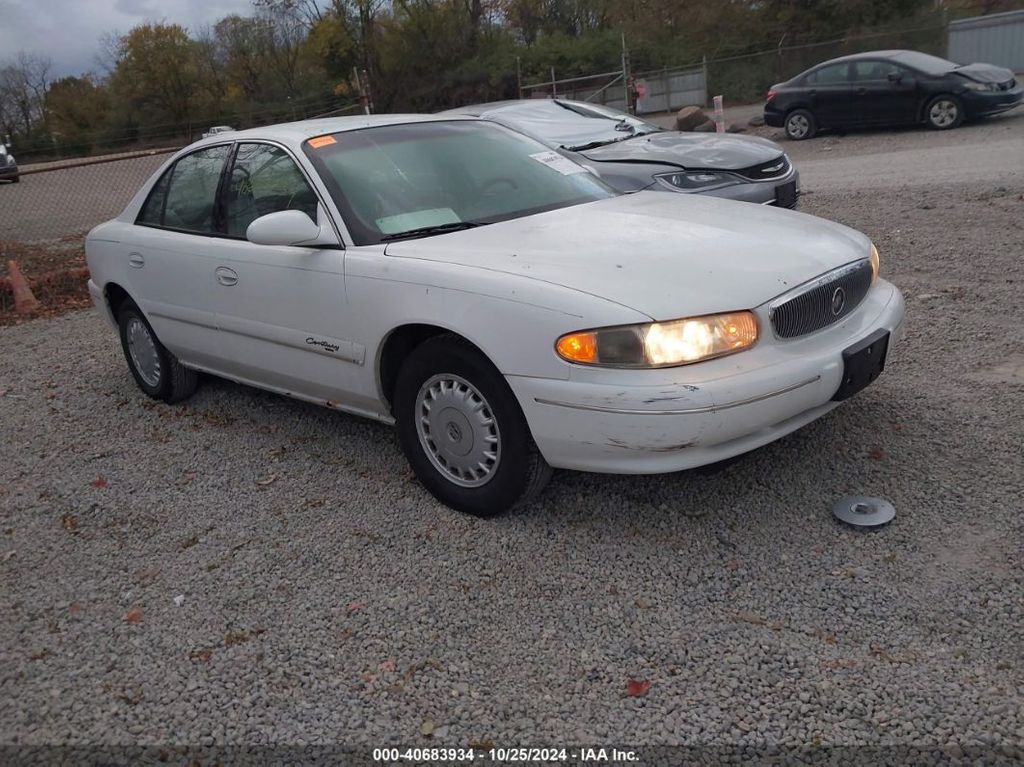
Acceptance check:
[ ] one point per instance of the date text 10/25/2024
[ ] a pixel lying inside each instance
(512, 754)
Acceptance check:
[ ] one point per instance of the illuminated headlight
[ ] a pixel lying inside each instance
(661, 344)
(982, 87)
(695, 180)
(874, 262)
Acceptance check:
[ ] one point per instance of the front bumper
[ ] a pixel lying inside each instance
(655, 421)
(8, 171)
(783, 191)
(992, 103)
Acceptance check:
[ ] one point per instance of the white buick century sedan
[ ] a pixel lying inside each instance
(499, 304)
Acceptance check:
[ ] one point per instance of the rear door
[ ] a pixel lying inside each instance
(281, 310)
(169, 255)
(884, 93)
(829, 90)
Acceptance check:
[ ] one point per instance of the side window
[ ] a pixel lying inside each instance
(833, 74)
(152, 212)
(264, 179)
(873, 70)
(192, 192)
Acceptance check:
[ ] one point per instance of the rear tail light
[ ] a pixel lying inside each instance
(771, 95)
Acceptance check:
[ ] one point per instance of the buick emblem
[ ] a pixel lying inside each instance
(838, 301)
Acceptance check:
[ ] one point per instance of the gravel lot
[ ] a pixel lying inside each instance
(326, 598)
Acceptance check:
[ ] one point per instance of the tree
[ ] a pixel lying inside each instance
(157, 74)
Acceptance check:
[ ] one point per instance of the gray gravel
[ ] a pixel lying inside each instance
(325, 597)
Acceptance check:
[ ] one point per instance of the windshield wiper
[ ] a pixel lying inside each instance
(595, 144)
(427, 231)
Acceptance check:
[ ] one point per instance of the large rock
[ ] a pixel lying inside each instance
(708, 126)
(689, 118)
(756, 121)
(735, 128)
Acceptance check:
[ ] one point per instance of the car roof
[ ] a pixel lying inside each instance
(894, 53)
(299, 131)
(476, 110)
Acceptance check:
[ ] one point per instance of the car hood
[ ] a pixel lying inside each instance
(689, 150)
(663, 255)
(984, 73)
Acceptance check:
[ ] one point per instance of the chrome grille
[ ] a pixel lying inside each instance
(824, 302)
(765, 170)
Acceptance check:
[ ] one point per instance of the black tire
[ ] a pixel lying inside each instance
(944, 112)
(800, 125)
(17, 179)
(520, 472)
(174, 382)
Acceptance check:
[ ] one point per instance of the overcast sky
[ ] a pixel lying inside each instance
(68, 31)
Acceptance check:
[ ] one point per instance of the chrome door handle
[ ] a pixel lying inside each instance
(226, 276)
(136, 261)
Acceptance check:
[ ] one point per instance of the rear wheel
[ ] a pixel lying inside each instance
(156, 371)
(800, 125)
(462, 430)
(944, 112)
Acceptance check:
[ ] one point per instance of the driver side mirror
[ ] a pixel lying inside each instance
(290, 228)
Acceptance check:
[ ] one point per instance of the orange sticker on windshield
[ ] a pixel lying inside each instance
(322, 141)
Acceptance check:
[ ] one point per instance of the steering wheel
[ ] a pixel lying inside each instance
(487, 186)
(485, 190)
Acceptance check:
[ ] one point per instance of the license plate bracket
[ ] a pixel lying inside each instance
(786, 195)
(863, 363)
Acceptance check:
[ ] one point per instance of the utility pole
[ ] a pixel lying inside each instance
(519, 78)
(554, 91)
(625, 74)
(369, 93)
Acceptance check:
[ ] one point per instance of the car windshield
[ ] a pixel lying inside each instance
(923, 62)
(425, 178)
(563, 124)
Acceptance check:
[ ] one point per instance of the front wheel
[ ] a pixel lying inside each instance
(800, 125)
(462, 430)
(944, 112)
(157, 372)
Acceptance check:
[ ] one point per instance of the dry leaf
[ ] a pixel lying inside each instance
(354, 607)
(266, 481)
(75, 609)
(134, 615)
(233, 638)
(387, 666)
(69, 522)
(203, 656)
(427, 728)
(99, 482)
(188, 476)
(637, 688)
(876, 454)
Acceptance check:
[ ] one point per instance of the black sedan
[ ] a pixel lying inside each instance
(889, 88)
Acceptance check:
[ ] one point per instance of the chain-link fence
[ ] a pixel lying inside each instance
(746, 78)
(45, 216)
(44, 219)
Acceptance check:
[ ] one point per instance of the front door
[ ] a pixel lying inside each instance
(884, 93)
(281, 310)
